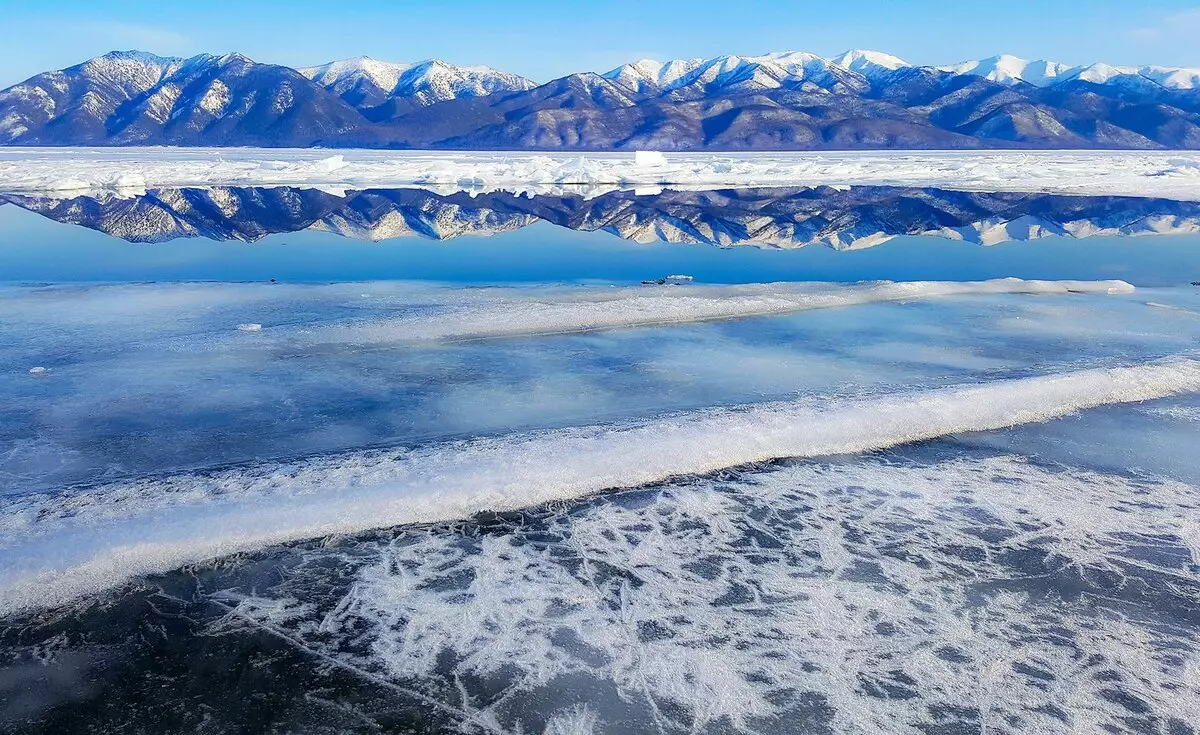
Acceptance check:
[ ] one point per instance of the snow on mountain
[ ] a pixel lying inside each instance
(342, 76)
(426, 82)
(870, 63)
(1172, 77)
(1008, 69)
(724, 74)
(130, 71)
(859, 99)
(648, 76)
(82, 94)
(798, 68)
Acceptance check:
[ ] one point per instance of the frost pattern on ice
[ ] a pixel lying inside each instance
(880, 595)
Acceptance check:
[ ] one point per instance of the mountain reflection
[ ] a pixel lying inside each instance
(842, 219)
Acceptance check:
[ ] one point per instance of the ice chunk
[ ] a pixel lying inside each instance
(250, 327)
(649, 158)
(130, 182)
(69, 184)
(329, 165)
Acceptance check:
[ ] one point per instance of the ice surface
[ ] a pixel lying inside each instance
(858, 596)
(60, 546)
(339, 366)
(1172, 175)
(591, 310)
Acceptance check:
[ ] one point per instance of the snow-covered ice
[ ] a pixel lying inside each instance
(58, 547)
(1174, 175)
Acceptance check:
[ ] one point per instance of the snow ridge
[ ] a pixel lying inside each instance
(427, 81)
(785, 68)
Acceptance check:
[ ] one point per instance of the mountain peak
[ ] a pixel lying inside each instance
(345, 73)
(141, 56)
(426, 82)
(863, 60)
(734, 72)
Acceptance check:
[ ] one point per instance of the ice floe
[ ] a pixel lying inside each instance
(1171, 175)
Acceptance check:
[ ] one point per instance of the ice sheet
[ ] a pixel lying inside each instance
(497, 315)
(59, 546)
(862, 596)
(1141, 173)
(133, 370)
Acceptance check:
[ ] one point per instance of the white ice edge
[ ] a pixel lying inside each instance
(1165, 174)
(497, 313)
(61, 548)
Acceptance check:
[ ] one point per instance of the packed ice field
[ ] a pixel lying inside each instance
(1172, 175)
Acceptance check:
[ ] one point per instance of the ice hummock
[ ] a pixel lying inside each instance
(1171, 175)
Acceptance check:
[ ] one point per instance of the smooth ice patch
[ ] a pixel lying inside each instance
(498, 313)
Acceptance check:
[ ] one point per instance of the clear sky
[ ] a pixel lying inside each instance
(543, 39)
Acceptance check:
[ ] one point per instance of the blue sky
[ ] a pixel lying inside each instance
(544, 39)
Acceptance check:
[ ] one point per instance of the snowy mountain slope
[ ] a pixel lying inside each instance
(647, 75)
(233, 99)
(694, 78)
(125, 99)
(365, 82)
(1040, 73)
(80, 98)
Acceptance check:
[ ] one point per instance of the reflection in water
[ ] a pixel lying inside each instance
(842, 219)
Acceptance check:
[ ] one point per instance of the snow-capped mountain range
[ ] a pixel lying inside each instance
(782, 100)
(364, 81)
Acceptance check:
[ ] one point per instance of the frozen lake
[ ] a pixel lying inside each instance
(761, 460)
(1170, 174)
